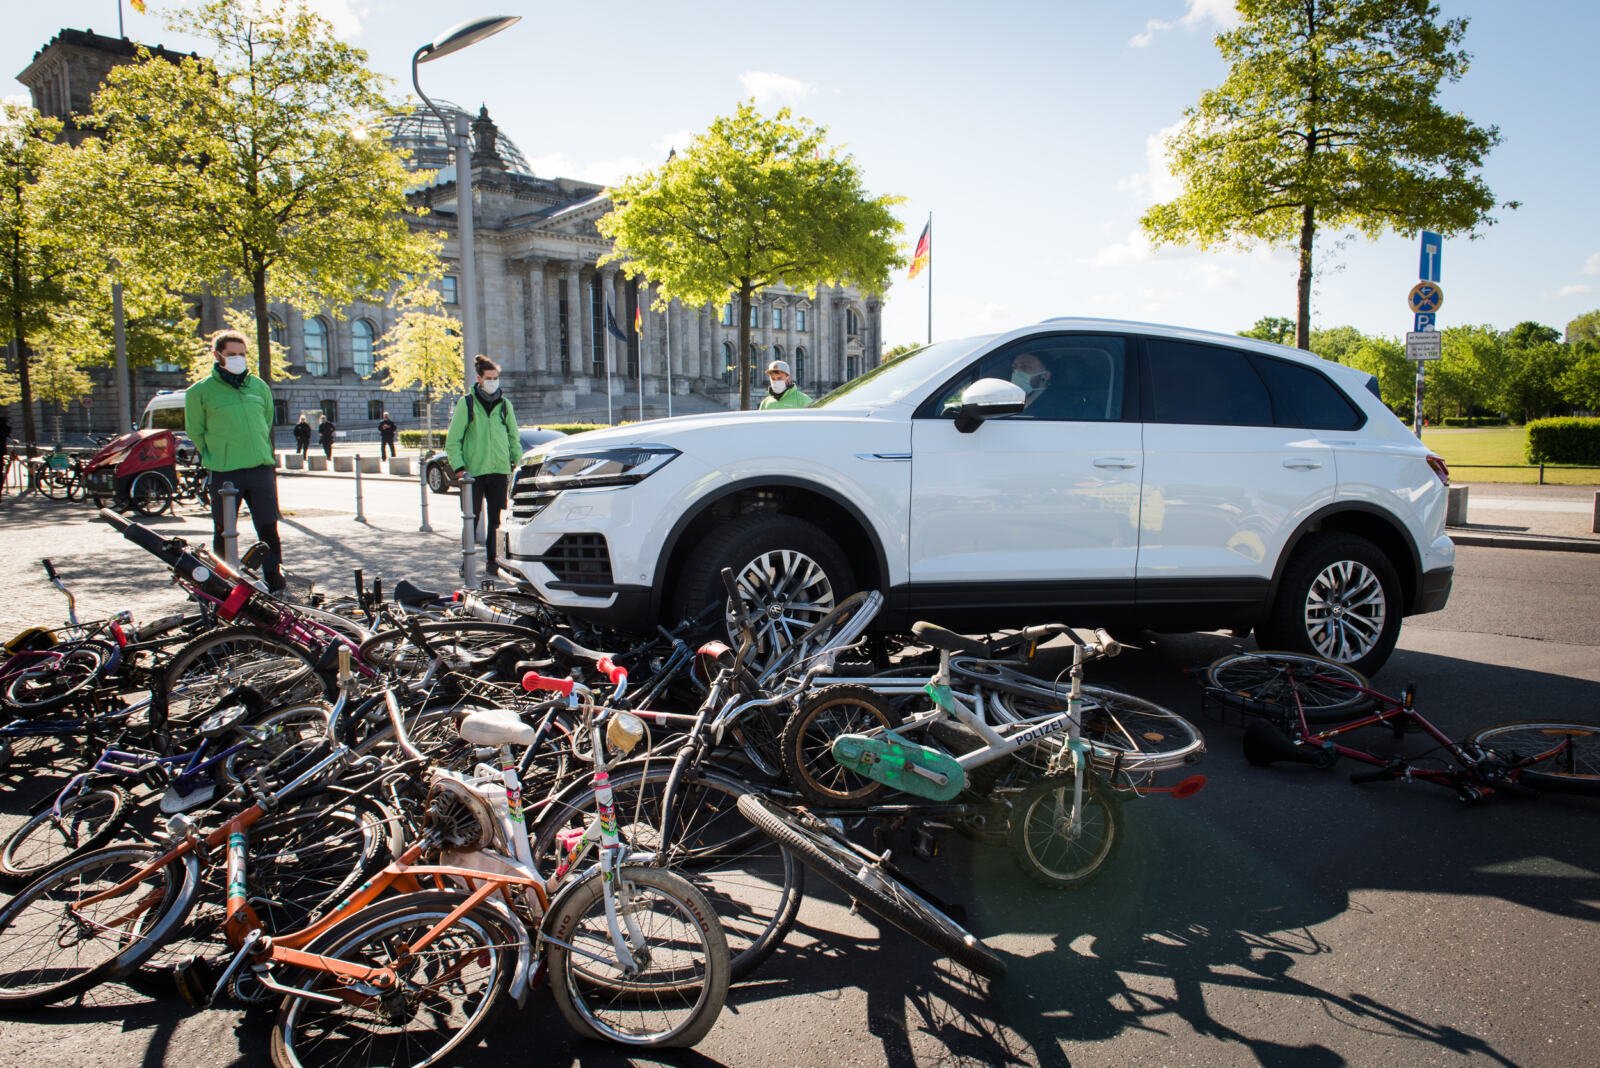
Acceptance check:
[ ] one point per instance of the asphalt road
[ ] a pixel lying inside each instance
(1280, 916)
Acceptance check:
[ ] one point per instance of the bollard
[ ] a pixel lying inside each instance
(1455, 509)
(469, 536)
(1595, 526)
(422, 481)
(230, 524)
(361, 516)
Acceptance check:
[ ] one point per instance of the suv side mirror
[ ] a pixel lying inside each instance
(988, 398)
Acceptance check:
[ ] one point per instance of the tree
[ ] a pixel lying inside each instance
(1580, 382)
(1271, 328)
(1535, 361)
(422, 350)
(753, 201)
(1584, 331)
(1327, 118)
(905, 348)
(58, 379)
(252, 172)
(1469, 371)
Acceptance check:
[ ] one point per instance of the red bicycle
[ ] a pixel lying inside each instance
(1286, 693)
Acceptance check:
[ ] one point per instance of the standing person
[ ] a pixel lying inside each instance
(228, 416)
(781, 390)
(483, 440)
(386, 432)
(302, 436)
(325, 429)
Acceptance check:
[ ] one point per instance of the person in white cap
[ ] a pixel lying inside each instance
(781, 390)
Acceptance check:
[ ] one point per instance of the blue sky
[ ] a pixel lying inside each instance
(1030, 130)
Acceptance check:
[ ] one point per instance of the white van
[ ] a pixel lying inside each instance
(164, 412)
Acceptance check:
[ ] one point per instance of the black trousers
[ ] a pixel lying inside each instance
(386, 449)
(327, 448)
(258, 491)
(492, 488)
(302, 447)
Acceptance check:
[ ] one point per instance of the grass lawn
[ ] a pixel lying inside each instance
(1464, 448)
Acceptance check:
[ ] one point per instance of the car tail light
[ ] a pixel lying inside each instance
(1440, 468)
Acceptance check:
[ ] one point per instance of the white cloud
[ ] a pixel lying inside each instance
(1214, 275)
(1135, 248)
(601, 172)
(1574, 290)
(1592, 264)
(769, 88)
(992, 314)
(1156, 182)
(1221, 13)
(671, 142)
(346, 15)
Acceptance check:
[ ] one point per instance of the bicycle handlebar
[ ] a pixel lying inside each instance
(168, 551)
(533, 681)
(603, 662)
(49, 569)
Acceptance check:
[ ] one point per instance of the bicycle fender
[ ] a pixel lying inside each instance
(904, 765)
(125, 963)
(522, 977)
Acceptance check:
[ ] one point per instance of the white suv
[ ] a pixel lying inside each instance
(1084, 471)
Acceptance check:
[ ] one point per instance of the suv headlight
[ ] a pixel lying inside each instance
(602, 467)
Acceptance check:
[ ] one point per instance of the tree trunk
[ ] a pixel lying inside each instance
(1302, 322)
(744, 344)
(258, 294)
(30, 431)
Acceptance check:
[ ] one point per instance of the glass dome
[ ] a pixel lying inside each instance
(421, 134)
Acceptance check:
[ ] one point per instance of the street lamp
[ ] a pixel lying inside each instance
(454, 40)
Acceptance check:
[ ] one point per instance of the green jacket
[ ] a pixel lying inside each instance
(486, 444)
(231, 426)
(792, 398)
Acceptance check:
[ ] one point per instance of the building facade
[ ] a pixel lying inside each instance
(543, 300)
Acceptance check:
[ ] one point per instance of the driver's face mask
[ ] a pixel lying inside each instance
(1030, 381)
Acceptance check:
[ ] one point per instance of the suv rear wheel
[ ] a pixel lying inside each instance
(790, 573)
(1340, 600)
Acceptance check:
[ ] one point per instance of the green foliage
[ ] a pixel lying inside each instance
(1580, 382)
(1535, 360)
(421, 439)
(1564, 441)
(905, 348)
(1327, 118)
(1469, 373)
(200, 360)
(422, 350)
(1584, 331)
(1271, 328)
(251, 172)
(753, 201)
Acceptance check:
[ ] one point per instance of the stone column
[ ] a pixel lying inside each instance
(576, 325)
(533, 317)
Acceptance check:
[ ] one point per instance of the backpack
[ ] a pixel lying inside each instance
(501, 407)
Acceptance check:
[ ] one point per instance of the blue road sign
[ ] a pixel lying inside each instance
(1424, 321)
(1425, 297)
(1432, 244)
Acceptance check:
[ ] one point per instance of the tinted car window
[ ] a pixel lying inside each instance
(1303, 398)
(1204, 384)
(1067, 378)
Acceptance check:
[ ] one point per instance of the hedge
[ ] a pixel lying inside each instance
(1475, 420)
(412, 439)
(1564, 441)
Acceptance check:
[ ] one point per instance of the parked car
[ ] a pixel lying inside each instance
(442, 477)
(1089, 471)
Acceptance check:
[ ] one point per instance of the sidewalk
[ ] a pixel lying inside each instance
(1509, 516)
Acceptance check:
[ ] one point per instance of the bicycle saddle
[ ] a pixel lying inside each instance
(409, 593)
(496, 726)
(948, 640)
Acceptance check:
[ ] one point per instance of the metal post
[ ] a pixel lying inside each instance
(361, 515)
(1416, 414)
(469, 535)
(230, 524)
(119, 340)
(471, 344)
(1595, 526)
(422, 482)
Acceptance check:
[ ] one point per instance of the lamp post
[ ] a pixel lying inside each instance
(454, 40)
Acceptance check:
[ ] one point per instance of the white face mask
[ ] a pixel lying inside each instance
(1027, 381)
(489, 385)
(778, 385)
(235, 364)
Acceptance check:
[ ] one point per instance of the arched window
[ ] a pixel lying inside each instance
(799, 364)
(852, 323)
(361, 333)
(777, 352)
(316, 346)
(277, 331)
(728, 363)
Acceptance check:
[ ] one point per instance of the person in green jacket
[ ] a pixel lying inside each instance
(781, 390)
(228, 416)
(483, 440)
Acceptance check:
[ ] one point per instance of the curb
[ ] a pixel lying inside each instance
(1524, 541)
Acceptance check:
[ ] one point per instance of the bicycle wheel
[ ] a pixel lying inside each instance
(218, 661)
(279, 744)
(839, 627)
(52, 949)
(807, 743)
(87, 821)
(60, 675)
(447, 990)
(1561, 755)
(755, 886)
(1267, 684)
(679, 982)
(869, 881)
(1043, 841)
(461, 643)
(1149, 738)
(150, 493)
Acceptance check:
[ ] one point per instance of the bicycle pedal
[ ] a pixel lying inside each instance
(924, 845)
(195, 979)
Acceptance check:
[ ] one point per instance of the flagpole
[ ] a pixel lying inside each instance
(930, 277)
(666, 321)
(638, 339)
(120, 31)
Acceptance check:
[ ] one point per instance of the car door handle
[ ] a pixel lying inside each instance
(1302, 463)
(885, 457)
(1119, 462)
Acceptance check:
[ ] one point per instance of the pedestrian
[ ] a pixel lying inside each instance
(325, 429)
(781, 390)
(483, 440)
(302, 436)
(386, 433)
(228, 416)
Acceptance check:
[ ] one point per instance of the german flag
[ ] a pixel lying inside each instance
(638, 317)
(924, 252)
(137, 5)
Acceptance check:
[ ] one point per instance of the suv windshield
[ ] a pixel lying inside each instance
(888, 382)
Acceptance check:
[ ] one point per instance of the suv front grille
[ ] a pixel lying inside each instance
(527, 500)
(581, 559)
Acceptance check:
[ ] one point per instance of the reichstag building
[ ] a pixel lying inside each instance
(542, 298)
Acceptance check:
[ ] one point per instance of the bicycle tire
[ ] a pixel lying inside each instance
(828, 853)
(82, 665)
(200, 673)
(1149, 736)
(756, 895)
(688, 966)
(283, 743)
(806, 744)
(173, 888)
(1561, 763)
(485, 958)
(1045, 850)
(841, 625)
(1262, 684)
(150, 493)
(43, 843)
(391, 650)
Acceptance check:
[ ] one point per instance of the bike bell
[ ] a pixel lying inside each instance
(624, 731)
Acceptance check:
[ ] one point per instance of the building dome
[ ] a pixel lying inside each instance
(421, 134)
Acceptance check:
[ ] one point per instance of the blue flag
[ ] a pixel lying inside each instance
(611, 325)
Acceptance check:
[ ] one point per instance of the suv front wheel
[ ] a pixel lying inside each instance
(790, 573)
(1339, 599)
